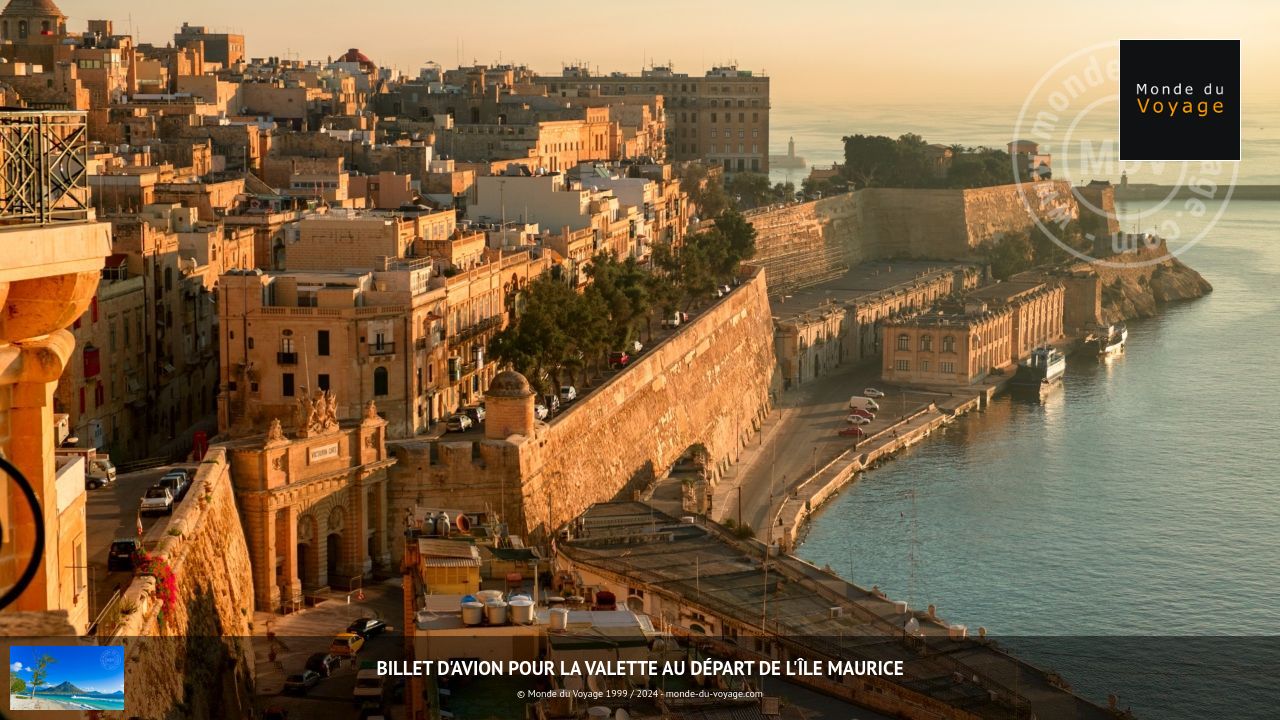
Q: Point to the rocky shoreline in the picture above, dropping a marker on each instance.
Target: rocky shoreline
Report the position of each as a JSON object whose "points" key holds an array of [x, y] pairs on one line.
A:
{"points": [[1140, 293]]}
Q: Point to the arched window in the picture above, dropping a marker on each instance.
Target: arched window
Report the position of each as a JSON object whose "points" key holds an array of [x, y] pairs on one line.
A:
{"points": [[22, 29], [904, 342], [380, 381], [926, 343], [948, 344], [44, 26]]}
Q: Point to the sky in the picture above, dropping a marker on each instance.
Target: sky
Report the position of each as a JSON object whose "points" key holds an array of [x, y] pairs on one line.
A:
{"points": [[828, 52], [88, 667]]}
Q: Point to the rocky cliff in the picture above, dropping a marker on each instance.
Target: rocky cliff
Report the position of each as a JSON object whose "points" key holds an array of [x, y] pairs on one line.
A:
{"points": [[1135, 286]]}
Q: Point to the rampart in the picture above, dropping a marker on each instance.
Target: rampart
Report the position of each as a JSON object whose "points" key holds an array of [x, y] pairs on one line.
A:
{"points": [[195, 658], [808, 243], [707, 384]]}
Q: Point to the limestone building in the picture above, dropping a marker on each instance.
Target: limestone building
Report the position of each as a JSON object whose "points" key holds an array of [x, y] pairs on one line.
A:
{"points": [[721, 117], [313, 501], [51, 254]]}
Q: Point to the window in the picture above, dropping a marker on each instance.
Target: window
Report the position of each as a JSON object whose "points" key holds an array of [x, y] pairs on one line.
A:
{"points": [[924, 366], [380, 381], [322, 381], [713, 117], [948, 344], [287, 385], [904, 342], [947, 367], [903, 365], [322, 342], [926, 343], [286, 344], [93, 308], [99, 395], [82, 400]]}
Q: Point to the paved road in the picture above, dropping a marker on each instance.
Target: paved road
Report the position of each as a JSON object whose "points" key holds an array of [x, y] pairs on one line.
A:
{"points": [[801, 436], [112, 512], [299, 635]]}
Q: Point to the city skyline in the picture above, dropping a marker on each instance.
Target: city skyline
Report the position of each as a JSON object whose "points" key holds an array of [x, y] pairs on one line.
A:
{"points": [[805, 59]]}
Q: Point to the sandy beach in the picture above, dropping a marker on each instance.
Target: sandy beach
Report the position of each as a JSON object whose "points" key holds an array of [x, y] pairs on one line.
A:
{"points": [[22, 702]]}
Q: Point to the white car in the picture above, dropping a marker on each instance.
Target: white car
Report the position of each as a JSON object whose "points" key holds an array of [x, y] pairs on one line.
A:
{"points": [[540, 411], [458, 423], [568, 393], [872, 393], [857, 420]]}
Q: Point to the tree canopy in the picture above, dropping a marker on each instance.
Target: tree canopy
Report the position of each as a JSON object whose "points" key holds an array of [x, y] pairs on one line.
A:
{"points": [[879, 161]]}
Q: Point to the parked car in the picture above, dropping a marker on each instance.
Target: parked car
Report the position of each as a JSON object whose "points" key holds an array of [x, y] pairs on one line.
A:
{"points": [[458, 423], [552, 401], [323, 663], [853, 431], [863, 413], [157, 501], [541, 412], [300, 683], [367, 627], [726, 289], [872, 393], [346, 644], [123, 554], [568, 394], [619, 359], [637, 347], [853, 419], [865, 403], [369, 686], [475, 412], [672, 320], [101, 471], [177, 483], [684, 317]]}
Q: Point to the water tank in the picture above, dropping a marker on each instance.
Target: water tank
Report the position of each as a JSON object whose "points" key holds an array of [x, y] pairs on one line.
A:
{"points": [[442, 524], [472, 613], [559, 619], [521, 611], [488, 596], [957, 632], [495, 612]]}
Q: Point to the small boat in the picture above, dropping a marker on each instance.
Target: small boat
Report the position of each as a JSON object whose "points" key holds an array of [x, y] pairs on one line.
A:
{"points": [[1042, 368], [1111, 341]]}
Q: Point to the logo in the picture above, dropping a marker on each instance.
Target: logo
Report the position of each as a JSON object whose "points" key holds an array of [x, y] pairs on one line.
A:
{"points": [[1069, 129]]}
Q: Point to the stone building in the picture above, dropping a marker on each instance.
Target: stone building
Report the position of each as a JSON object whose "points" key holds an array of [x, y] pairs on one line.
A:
{"points": [[948, 348], [1038, 306], [721, 117], [51, 256], [223, 48], [313, 501]]}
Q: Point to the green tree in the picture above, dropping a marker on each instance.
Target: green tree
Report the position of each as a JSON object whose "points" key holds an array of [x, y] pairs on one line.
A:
{"points": [[749, 190], [16, 684], [869, 158], [706, 194], [40, 672], [1010, 254]]}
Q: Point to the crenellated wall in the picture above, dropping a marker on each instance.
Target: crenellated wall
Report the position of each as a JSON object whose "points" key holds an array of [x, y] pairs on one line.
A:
{"points": [[709, 383], [197, 660]]}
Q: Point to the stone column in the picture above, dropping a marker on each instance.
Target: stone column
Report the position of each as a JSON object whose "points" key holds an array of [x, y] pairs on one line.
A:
{"points": [[287, 544], [260, 533], [381, 520], [355, 555]]}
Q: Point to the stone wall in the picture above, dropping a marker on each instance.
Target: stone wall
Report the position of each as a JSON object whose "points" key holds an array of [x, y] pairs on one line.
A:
{"points": [[1136, 283], [808, 243], [195, 661], [707, 384]]}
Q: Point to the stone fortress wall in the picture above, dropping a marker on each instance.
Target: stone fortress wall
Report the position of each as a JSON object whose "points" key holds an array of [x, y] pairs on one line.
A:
{"points": [[709, 384], [807, 243], [195, 661]]}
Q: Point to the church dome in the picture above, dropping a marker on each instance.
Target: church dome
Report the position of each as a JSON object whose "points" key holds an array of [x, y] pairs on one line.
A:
{"points": [[355, 56], [36, 8], [509, 383]]}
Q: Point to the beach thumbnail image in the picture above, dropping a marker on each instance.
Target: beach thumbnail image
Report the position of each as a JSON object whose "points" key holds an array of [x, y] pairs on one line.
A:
{"points": [[66, 677]]}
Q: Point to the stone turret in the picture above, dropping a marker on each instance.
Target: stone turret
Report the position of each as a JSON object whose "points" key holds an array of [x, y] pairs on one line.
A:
{"points": [[23, 20], [508, 406]]}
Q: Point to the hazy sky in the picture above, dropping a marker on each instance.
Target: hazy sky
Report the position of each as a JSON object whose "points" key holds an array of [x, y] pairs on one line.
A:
{"points": [[833, 51]]}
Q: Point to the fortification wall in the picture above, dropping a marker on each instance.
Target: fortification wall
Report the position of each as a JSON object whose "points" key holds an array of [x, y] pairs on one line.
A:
{"points": [[708, 384], [808, 243], [1137, 282], [195, 660]]}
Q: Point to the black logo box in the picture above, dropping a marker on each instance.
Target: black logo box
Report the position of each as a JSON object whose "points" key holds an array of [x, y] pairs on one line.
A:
{"points": [[1185, 65]]}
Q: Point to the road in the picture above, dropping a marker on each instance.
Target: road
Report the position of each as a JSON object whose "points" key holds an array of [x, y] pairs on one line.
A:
{"points": [[299, 635], [112, 512], [802, 436]]}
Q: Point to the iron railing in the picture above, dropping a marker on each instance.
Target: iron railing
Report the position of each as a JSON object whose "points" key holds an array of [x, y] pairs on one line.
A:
{"points": [[43, 167]]}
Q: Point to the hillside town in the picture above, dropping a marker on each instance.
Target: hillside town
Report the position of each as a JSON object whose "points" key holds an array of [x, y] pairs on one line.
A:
{"points": [[327, 364]]}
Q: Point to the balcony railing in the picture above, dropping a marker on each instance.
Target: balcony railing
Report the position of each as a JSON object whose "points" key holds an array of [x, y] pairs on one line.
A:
{"points": [[484, 325], [386, 348], [43, 167], [287, 358]]}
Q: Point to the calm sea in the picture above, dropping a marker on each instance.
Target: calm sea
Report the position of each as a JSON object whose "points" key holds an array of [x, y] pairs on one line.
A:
{"points": [[1135, 506]]}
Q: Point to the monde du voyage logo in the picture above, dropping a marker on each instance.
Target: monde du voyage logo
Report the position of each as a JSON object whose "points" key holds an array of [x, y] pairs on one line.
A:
{"points": [[1179, 100]]}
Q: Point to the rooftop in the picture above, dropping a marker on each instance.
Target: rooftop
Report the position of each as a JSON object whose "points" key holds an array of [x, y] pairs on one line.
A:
{"points": [[862, 281]]}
